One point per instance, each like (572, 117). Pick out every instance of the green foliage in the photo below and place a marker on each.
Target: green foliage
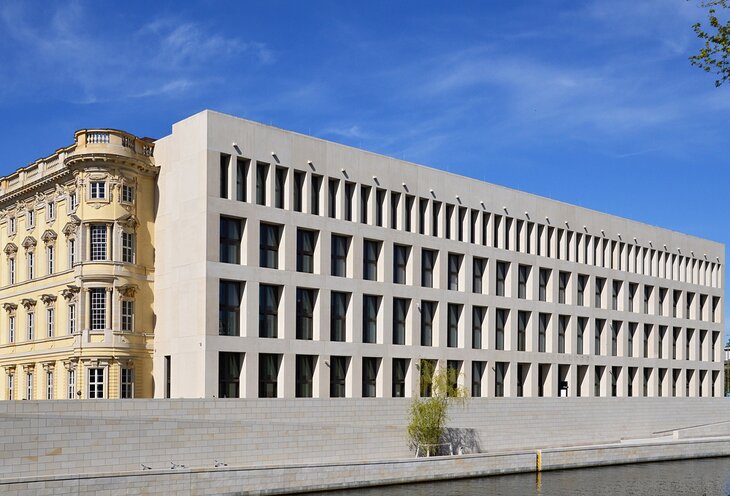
(715, 55)
(429, 413)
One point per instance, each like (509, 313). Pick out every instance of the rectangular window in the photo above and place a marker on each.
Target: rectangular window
(30, 320)
(523, 319)
(349, 194)
(279, 187)
(50, 210)
(370, 307)
(630, 337)
(647, 298)
(225, 160)
(269, 297)
(543, 322)
(364, 203)
(306, 243)
(231, 233)
(615, 328)
(50, 259)
(428, 312)
(370, 368)
(523, 276)
(615, 290)
(500, 371)
(127, 315)
(338, 376)
(71, 319)
(241, 177)
(581, 290)
(31, 264)
(11, 329)
(400, 263)
(268, 375)
(229, 308)
(127, 247)
(499, 327)
(544, 282)
(306, 299)
(98, 241)
(96, 383)
(394, 201)
(12, 226)
(71, 252)
(338, 316)
(29, 386)
(340, 247)
(126, 384)
(478, 314)
(479, 268)
(73, 201)
(168, 376)
(400, 370)
(316, 193)
(49, 385)
(127, 194)
(270, 236)
(453, 315)
(563, 279)
(262, 171)
(562, 328)
(422, 212)
(400, 312)
(71, 390)
(299, 178)
(332, 187)
(428, 262)
(435, 214)
(305, 366)
(11, 271)
(477, 373)
(379, 206)
(98, 190)
(597, 336)
(502, 268)
(409, 213)
(11, 387)
(454, 268)
(50, 322)
(580, 334)
(600, 283)
(371, 253)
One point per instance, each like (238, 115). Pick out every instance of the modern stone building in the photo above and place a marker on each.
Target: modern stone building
(289, 266)
(76, 285)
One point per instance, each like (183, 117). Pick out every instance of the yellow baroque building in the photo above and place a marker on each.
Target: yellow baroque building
(77, 271)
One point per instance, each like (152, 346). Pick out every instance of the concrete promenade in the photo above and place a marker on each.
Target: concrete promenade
(279, 446)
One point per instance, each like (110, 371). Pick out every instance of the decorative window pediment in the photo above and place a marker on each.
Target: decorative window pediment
(129, 221)
(10, 307)
(28, 303)
(48, 299)
(11, 249)
(49, 236)
(29, 242)
(127, 290)
(70, 293)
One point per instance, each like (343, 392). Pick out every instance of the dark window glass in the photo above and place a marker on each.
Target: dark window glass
(400, 262)
(268, 375)
(477, 373)
(499, 325)
(299, 178)
(543, 321)
(332, 187)
(522, 278)
(305, 365)
(229, 374)
(340, 245)
(370, 368)
(370, 306)
(400, 369)
(241, 174)
(338, 317)
(280, 187)
(230, 240)
(454, 313)
(428, 261)
(316, 192)
(338, 376)
(523, 319)
(371, 253)
(500, 370)
(478, 315)
(306, 243)
(225, 161)
(364, 203)
(305, 313)
(269, 310)
(379, 204)
(229, 308)
(544, 281)
(502, 268)
(563, 278)
(454, 267)
(428, 310)
(270, 235)
(262, 170)
(400, 312)
(479, 267)
(349, 193)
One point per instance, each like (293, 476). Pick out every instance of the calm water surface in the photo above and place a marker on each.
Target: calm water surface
(708, 477)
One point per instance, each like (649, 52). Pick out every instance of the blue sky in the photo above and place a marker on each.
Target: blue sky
(592, 103)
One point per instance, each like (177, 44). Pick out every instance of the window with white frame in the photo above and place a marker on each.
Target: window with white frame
(127, 315)
(126, 387)
(11, 270)
(49, 385)
(127, 194)
(11, 386)
(71, 384)
(50, 321)
(30, 256)
(50, 257)
(12, 225)
(98, 241)
(96, 383)
(11, 328)
(30, 319)
(97, 190)
(29, 386)
(71, 252)
(71, 318)
(51, 210)
(127, 247)
(73, 201)
(98, 309)
(30, 219)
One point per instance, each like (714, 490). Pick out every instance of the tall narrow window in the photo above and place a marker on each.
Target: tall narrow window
(229, 374)
(316, 193)
(502, 268)
(71, 383)
(543, 321)
(30, 320)
(332, 186)
(229, 308)
(338, 376)
(31, 264)
(98, 241)
(241, 175)
(11, 270)
(306, 242)
(269, 375)
(269, 310)
(96, 383)
(299, 178)
(400, 263)
(126, 384)
(71, 252)
(50, 322)
(454, 268)
(225, 160)
(580, 335)
(71, 318)
(305, 365)
(349, 196)
(11, 329)
(270, 236)
(453, 315)
(523, 318)
(562, 328)
(582, 283)
(598, 336)
(600, 283)
(97, 318)
(615, 328)
(364, 203)
(11, 387)
(340, 247)
(29, 386)
(280, 187)
(479, 268)
(370, 366)
(523, 276)
(499, 327)
(50, 259)
(305, 313)
(500, 371)
(379, 206)
(371, 253)
(409, 213)
(422, 209)
(400, 312)
(563, 278)
(127, 247)
(338, 316)
(51, 209)
(400, 369)
(127, 315)
(544, 282)
(262, 171)
(428, 311)
(478, 314)
(428, 262)
(370, 306)
(394, 201)
(230, 240)
(615, 290)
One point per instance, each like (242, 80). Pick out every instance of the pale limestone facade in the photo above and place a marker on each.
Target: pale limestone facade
(571, 301)
(76, 272)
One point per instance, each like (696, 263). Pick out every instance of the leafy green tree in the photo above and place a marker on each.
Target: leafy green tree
(428, 413)
(714, 57)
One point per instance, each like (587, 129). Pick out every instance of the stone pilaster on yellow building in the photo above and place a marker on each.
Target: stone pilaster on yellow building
(77, 271)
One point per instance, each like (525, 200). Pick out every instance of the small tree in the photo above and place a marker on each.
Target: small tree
(428, 413)
(715, 55)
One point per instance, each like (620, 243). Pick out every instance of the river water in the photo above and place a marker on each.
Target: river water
(706, 477)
